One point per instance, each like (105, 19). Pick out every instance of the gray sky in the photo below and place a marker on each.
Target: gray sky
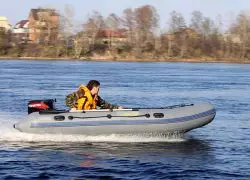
(16, 10)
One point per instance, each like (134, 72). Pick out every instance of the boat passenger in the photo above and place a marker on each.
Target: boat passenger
(87, 98)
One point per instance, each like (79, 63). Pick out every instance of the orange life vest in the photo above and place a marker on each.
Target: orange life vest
(86, 102)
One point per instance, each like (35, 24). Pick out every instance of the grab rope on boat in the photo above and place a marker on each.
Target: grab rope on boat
(167, 107)
(109, 116)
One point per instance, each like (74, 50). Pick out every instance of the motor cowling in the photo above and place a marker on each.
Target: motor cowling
(39, 105)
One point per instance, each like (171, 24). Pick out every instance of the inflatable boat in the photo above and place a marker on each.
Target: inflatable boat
(43, 118)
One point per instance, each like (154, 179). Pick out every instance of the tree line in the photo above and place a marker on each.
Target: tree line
(202, 37)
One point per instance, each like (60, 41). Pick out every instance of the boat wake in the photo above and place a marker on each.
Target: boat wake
(10, 134)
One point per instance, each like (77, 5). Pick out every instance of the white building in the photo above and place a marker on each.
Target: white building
(4, 23)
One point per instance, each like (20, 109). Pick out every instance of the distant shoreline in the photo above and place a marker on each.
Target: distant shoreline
(132, 59)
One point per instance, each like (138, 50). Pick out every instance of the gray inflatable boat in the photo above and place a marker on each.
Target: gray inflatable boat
(43, 118)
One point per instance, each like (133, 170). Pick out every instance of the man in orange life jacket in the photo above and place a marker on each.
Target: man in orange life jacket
(86, 98)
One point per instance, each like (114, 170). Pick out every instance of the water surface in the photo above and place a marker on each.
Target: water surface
(219, 150)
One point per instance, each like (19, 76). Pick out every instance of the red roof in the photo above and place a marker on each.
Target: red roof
(106, 33)
(21, 24)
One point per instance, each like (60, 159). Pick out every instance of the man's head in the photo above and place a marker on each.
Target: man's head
(93, 86)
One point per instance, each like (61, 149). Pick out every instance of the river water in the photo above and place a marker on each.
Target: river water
(220, 150)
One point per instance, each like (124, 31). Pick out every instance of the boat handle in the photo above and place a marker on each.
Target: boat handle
(59, 118)
(158, 115)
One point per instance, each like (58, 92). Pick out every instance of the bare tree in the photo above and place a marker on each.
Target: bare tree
(197, 21)
(128, 21)
(242, 29)
(146, 19)
(85, 40)
(5, 40)
(67, 27)
(176, 23)
(113, 23)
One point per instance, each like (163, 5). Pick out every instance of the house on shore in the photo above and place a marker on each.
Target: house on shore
(43, 25)
(20, 32)
(4, 23)
(111, 37)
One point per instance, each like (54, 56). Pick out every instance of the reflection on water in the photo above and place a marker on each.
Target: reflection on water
(185, 147)
(112, 158)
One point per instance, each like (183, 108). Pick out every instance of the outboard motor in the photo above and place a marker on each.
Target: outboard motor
(39, 105)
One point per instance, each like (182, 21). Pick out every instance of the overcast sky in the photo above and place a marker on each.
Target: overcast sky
(16, 10)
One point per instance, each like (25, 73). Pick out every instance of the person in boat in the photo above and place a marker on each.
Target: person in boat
(87, 98)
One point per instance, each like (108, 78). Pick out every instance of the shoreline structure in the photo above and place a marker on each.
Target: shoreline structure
(133, 59)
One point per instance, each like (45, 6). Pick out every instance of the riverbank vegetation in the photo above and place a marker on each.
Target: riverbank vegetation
(135, 35)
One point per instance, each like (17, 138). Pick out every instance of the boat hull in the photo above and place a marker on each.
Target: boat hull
(128, 121)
